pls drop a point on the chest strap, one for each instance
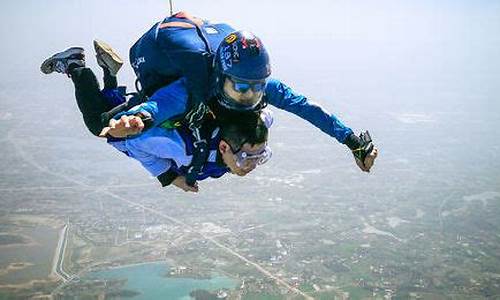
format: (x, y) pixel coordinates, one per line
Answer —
(201, 143)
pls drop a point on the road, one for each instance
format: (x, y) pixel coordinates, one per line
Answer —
(58, 262)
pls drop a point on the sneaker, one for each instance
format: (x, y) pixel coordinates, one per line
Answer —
(60, 62)
(107, 58)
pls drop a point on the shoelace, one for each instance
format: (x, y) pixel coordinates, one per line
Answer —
(60, 66)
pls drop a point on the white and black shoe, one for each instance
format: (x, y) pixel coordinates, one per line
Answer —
(61, 62)
(107, 58)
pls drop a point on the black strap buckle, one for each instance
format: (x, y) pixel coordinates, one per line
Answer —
(200, 144)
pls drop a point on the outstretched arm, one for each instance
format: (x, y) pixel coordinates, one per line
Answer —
(283, 97)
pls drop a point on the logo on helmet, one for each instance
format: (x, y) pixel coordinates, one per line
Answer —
(225, 58)
(229, 55)
(236, 54)
(231, 38)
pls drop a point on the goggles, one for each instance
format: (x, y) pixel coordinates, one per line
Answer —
(244, 86)
(235, 96)
(254, 158)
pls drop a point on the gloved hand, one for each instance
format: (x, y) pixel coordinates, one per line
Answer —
(366, 154)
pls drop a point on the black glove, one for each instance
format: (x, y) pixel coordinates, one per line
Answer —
(365, 146)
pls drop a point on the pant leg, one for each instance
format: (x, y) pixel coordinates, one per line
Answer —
(110, 81)
(89, 98)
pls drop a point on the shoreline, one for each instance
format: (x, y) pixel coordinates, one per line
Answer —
(26, 285)
(129, 265)
(216, 273)
(27, 241)
(14, 267)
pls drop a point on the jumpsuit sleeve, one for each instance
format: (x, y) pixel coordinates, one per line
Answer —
(283, 97)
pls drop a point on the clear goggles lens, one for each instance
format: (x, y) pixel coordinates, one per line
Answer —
(259, 157)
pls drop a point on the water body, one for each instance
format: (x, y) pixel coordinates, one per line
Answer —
(38, 253)
(149, 280)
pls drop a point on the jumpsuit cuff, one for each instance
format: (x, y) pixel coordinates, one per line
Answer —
(167, 177)
(353, 142)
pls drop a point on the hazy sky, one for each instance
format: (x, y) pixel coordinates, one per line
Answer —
(376, 64)
(376, 46)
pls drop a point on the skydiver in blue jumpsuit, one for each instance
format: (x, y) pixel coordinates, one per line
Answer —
(236, 83)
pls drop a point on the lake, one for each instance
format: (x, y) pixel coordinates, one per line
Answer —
(149, 279)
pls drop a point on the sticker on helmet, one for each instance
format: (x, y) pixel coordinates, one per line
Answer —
(252, 44)
(211, 30)
(231, 38)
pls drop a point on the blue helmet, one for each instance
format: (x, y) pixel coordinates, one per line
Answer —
(242, 58)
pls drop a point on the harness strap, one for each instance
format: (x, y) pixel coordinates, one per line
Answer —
(176, 24)
(202, 139)
(188, 16)
(187, 21)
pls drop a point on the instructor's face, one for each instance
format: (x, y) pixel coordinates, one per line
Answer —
(244, 96)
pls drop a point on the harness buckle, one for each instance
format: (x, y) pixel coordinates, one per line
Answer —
(200, 145)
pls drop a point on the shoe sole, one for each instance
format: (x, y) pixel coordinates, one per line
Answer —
(105, 54)
(47, 66)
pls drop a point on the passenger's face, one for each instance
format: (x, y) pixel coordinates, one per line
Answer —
(230, 159)
(247, 97)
